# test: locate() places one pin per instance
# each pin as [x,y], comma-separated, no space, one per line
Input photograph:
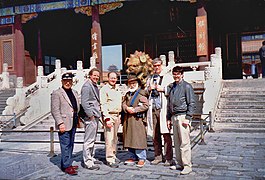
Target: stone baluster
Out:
[39,75]
[5,77]
[171,59]
[92,62]
[79,65]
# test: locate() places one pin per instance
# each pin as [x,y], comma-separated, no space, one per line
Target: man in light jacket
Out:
[64,109]
[110,98]
[157,121]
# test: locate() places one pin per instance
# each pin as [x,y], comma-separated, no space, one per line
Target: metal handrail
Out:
[204,125]
[13,118]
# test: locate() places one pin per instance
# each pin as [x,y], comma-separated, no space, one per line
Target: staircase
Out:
[241,106]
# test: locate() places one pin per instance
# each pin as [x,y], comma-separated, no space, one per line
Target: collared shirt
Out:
[110,99]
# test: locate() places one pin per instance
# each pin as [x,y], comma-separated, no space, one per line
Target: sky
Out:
[111,55]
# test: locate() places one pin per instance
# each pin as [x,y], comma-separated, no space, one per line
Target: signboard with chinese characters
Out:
[95,44]
[201,36]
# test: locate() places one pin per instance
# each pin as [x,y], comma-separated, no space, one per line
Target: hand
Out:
[169,125]
[159,88]
[108,123]
[185,124]
[92,118]
[62,128]
[130,110]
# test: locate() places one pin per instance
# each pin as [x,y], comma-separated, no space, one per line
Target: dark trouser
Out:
[263,67]
[67,145]
[157,140]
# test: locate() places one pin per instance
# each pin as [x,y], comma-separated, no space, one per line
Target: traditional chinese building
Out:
[36,32]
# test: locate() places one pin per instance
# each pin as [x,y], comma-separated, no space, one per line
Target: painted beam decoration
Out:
[42,7]
[7,20]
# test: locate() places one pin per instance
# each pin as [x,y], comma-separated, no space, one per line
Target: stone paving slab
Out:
[225,156]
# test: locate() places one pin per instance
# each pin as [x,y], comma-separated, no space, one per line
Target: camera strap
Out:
[134,97]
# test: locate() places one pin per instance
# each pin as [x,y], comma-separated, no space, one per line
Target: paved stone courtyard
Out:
[227,155]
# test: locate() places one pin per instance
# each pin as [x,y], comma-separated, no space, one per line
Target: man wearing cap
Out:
[91,105]
[110,98]
[135,106]
[64,109]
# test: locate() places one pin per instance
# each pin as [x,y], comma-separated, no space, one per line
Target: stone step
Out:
[245,83]
[236,111]
[241,106]
[230,96]
[241,125]
[243,92]
[244,103]
[252,115]
[240,130]
[246,88]
[240,119]
[243,99]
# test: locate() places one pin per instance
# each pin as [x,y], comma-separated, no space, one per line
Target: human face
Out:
[133,84]
[67,83]
[112,79]
[157,67]
[177,76]
[94,77]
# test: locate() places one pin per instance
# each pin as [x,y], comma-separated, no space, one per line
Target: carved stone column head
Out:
[164,60]
[92,62]
[40,70]
[57,64]
[19,82]
[79,65]
[5,67]
[218,52]
[171,56]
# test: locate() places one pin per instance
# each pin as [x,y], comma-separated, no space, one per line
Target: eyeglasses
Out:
[158,65]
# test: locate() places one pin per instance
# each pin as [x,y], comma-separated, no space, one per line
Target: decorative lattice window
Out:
[8,52]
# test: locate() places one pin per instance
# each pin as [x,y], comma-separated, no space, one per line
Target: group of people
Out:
[164,102]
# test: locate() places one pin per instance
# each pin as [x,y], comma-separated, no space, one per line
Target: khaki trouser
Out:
[111,139]
[181,136]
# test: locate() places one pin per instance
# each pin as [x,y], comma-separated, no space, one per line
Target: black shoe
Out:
[113,165]
[98,162]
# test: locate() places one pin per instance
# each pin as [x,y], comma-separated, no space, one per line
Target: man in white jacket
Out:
[157,124]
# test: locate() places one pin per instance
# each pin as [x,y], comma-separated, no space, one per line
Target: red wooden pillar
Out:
[39,56]
[96,43]
[19,48]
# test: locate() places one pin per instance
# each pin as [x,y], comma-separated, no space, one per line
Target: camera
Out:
[140,115]
[154,93]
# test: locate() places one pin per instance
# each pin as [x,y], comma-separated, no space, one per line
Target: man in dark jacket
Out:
[180,108]
[262,58]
